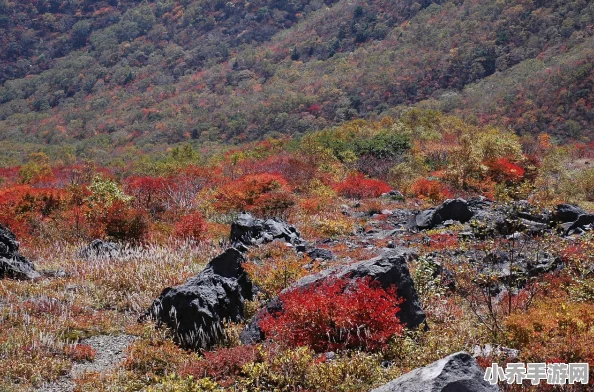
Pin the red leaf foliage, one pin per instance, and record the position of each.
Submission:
(223, 364)
(337, 314)
(430, 189)
(502, 170)
(191, 226)
(357, 186)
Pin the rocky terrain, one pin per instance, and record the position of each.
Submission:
(201, 313)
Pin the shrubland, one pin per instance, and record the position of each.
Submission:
(172, 216)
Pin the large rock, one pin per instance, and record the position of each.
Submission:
(197, 310)
(583, 223)
(12, 264)
(389, 269)
(567, 213)
(452, 209)
(249, 231)
(455, 373)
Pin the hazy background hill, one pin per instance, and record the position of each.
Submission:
(107, 76)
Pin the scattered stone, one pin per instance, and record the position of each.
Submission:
(100, 248)
(584, 222)
(12, 264)
(489, 350)
(455, 373)
(196, 310)
(318, 253)
(451, 210)
(248, 231)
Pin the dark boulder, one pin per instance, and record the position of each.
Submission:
(245, 228)
(389, 269)
(250, 231)
(567, 213)
(318, 253)
(196, 310)
(8, 243)
(425, 219)
(455, 373)
(100, 248)
(583, 223)
(453, 209)
(12, 264)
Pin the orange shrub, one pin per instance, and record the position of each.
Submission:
(430, 189)
(263, 193)
(554, 331)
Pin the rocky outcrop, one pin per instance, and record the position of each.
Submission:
(567, 213)
(389, 269)
(248, 230)
(196, 310)
(12, 264)
(455, 373)
(451, 210)
(583, 223)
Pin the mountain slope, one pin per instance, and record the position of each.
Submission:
(105, 74)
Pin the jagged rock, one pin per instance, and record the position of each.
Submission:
(582, 223)
(453, 209)
(318, 253)
(567, 213)
(196, 310)
(458, 372)
(245, 228)
(100, 248)
(389, 269)
(12, 264)
(8, 243)
(249, 231)
(529, 263)
(425, 219)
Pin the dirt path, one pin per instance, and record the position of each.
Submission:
(111, 350)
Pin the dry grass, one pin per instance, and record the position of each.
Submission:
(38, 320)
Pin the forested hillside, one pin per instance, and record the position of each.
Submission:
(121, 76)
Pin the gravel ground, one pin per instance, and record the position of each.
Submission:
(111, 350)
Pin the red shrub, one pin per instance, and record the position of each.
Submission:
(255, 192)
(430, 189)
(359, 187)
(224, 363)
(336, 315)
(149, 192)
(125, 223)
(191, 226)
(502, 170)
